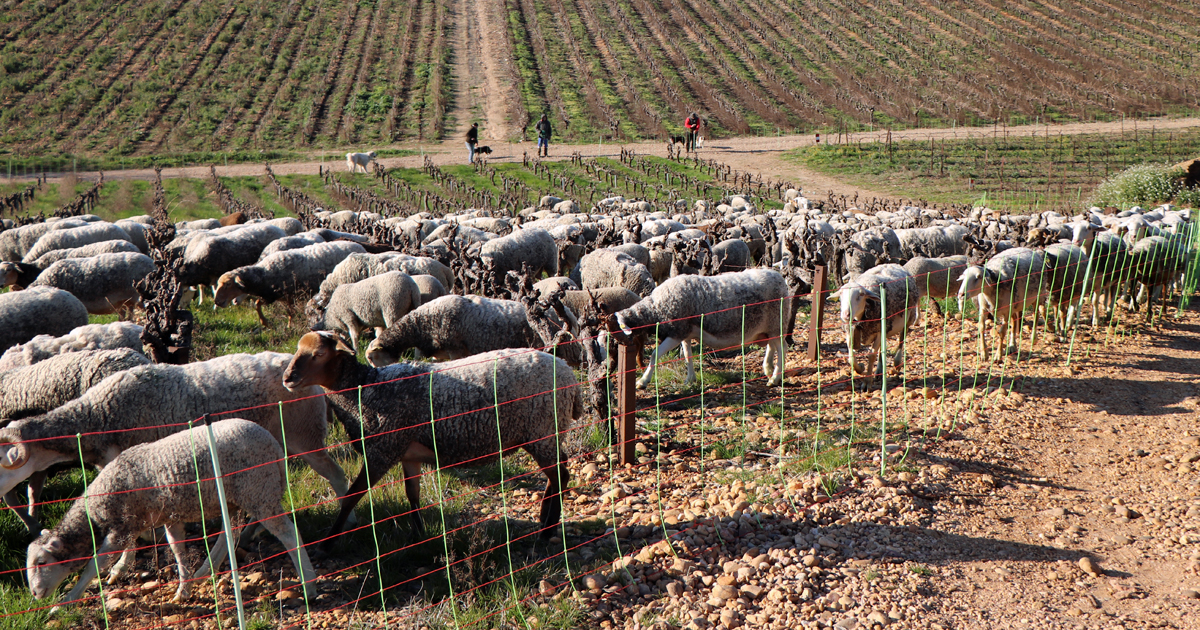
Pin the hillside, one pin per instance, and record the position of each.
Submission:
(119, 77)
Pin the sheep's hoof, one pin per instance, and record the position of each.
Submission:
(181, 595)
(641, 384)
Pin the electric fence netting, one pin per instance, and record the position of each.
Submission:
(703, 464)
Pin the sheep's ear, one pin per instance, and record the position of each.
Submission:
(54, 545)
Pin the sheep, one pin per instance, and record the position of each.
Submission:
(287, 275)
(1008, 284)
(137, 233)
(932, 242)
(863, 311)
(18, 275)
(936, 276)
(732, 254)
(15, 242)
(390, 408)
(169, 483)
(674, 311)
(453, 327)
(75, 237)
(871, 247)
(358, 267)
(38, 311)
(1067, 265)
(377, 302)
(1155, 261)
(354, 161)
(147, 403)
(534, 248)
(87, 251)
(303, 239)
(607, 268)
(430, 287)
(209, 255)
(104, 283)
(88, 337)
(555, 283)
(1110, 263)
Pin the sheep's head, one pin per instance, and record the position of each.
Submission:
(853, 302)
(317, 361)
(45, 566)
(969, 285)
(229, 288)
(9, 273)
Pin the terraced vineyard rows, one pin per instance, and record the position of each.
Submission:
(120, 77)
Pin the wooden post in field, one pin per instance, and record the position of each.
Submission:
(817, 316)
(627, 401)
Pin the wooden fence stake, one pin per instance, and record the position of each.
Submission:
(627, 401)
(818, 312)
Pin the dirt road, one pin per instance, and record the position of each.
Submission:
(752, 154)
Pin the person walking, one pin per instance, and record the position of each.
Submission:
(543, 132)
(472, 140)
(692, 124)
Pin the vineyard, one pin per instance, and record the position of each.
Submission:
(116, 77)
(1012, 174)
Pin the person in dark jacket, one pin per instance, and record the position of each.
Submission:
(692, 124)
(472, 140)
(543, 132)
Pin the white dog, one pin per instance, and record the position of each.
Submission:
(355, 160)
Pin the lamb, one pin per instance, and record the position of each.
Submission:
(301, 240)
(430, 287)
(209, 255)
(287, 275)
(87, 251)
(1006, 286)
(539, 402)
(156, 484)
(377, 302)
(453, 327)
(607, 268)
(354, 161)
(147, 403)
(358, 267)
(674, 310)
(104, 283)
(75, 237)
(534, 248)
(38, 311)
(936, 276)
(863, 311)
(89, 337)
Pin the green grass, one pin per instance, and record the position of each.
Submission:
(1010, 174)
(26, 165)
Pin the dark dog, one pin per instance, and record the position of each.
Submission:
(486, 150)
(677, 140)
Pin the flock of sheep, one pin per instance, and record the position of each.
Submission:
(468, 290)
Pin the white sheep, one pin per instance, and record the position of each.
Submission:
(169, 483)
(377, 302)
(75, 237)
(38, 311)
(863, 310)
(104, 283)
(89, 337)
(286, 275)
(354, 161)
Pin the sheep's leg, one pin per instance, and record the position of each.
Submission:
(127, 558)
(412, 490)
(377, 466)
(284, 530)
(354, 333)
(686, 351)
(773, 362)
(89, 571)
(175, 537)
(323, 464)
(22, 512)
(258, 305)
(663, 348)
(557, 478)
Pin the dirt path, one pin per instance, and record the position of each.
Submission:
(480, 54)
(753, 154)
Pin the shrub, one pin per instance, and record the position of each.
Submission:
(1144, 184)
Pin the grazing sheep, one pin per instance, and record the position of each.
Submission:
(208, 255)
(75, 237)
(89, 337)
(104, 283)
(18, 275)
(147, 403)
(936, 276)
(453, 327)
(555, 283)
(301, 240)
(14, 242)
(354, 161)
(377, 302)
(1155, 262)
(137, 233)
(481, 407)
(1110, 263)
(607, 268)
(732, 254)
(743, 308)
(1068, 267)
(169, 483)
(39, 388)
(38, 311)
(863, 312)
(87, 251)
(869, 248)
(430, 287)
(357, 267)
(932, 242)
(533, 248)
(288, 275)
